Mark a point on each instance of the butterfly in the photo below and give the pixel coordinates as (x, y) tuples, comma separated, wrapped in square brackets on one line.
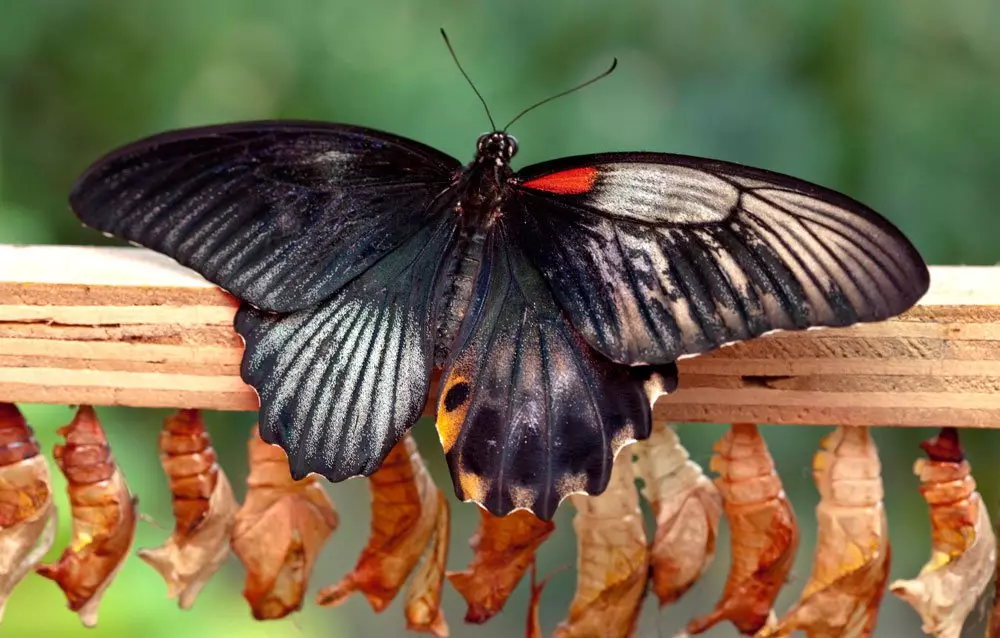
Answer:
[(556, 299)]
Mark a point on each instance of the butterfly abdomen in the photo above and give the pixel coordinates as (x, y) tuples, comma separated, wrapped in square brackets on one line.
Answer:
[(460, 270)]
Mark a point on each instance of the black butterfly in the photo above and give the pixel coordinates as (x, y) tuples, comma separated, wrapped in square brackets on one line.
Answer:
[(556, 298)]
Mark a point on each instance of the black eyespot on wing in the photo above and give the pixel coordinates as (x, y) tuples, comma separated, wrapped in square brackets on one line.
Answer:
[(457, 395), (281, 214), (655, 256), (340, 383), (544, 413)]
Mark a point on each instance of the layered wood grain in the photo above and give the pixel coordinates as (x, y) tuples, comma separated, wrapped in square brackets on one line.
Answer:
[(126, 326)]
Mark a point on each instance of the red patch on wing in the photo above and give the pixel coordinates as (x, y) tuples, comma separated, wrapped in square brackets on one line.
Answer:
[(575, 181)]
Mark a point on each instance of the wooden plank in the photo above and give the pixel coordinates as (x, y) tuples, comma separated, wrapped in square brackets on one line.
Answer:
[(126, 326)]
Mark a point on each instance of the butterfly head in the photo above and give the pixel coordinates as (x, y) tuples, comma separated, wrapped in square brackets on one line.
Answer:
[(497, 147)]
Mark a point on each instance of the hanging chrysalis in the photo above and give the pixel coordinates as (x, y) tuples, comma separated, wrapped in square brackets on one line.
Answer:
[(851, 560), (204, 509), (103, 512), (764, 533), (279, 531), (963, 546), (687, 507), (533, 626), (504, 547), (612, 564), (422, 606), (28, 518), (405, 504)]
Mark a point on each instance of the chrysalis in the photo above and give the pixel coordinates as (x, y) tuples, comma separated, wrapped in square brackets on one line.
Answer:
[(533, 626), (764, 532), (279, 531), (504, 548), (422, 606), (687, 507), (963, 546), (204, 509), (27, 515), (851, 561), (612, 564), (404, 508), (104, 516)]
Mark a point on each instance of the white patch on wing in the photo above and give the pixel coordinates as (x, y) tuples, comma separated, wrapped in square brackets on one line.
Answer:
[(345, 369), (658, 193), (334, 162)]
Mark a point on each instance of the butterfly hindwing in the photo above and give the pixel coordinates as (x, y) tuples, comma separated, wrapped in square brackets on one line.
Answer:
[(281, 214), (528, 412), (342, 381), (655, 257)]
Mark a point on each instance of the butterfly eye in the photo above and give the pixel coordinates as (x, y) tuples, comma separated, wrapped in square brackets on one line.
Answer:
[(483, 143), (511, 148)]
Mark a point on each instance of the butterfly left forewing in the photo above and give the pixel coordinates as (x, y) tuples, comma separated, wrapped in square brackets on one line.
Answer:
[(655, 256), (529, 413), (282, 214)]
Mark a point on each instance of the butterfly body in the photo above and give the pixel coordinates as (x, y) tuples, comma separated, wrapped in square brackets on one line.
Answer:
[(478, 190), (555, 299)]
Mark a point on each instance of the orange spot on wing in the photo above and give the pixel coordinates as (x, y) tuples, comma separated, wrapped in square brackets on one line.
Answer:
[(449, 421), (473, 487), (575, 181)]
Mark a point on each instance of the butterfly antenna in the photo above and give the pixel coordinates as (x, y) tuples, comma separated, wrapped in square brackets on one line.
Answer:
[(614, 64), (467, 78)]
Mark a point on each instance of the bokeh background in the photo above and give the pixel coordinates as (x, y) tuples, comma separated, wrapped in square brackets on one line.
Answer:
[(893, 102)]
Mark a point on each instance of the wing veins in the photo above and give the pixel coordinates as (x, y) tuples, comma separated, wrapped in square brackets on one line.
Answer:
[(333, 378), (724, 277), (350, 415), (514, 371), (543, 350), (835, 225), (630, 276)]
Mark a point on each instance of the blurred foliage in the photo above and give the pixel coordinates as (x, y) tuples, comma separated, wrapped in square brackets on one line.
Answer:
[(894, 103)]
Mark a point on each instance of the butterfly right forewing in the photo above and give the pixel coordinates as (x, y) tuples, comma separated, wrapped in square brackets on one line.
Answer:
[(655, 257)]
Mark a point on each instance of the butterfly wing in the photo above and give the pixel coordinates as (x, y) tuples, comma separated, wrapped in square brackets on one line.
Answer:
[(528, 412), (341, 382), (281, 214), (655, 257)]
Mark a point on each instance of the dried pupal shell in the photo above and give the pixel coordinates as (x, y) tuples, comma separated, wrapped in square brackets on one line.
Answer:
[(764, 532), (422, 606), (504, 547), (404, 509), (687, 507), (28, 518), (279, 531), (851, 560), (533, 626), (204, 509), (612, 564), (963, 545), (103, 512)]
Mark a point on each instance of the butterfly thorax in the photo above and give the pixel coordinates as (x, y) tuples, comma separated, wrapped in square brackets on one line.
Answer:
[(482, 185), (480, 188)]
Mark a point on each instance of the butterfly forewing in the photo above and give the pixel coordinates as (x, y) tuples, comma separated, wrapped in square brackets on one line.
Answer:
[(528, 412), (281, 214), (655, 257)]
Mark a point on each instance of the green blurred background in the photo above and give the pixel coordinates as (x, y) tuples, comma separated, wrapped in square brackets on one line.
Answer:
[(894, 102)]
